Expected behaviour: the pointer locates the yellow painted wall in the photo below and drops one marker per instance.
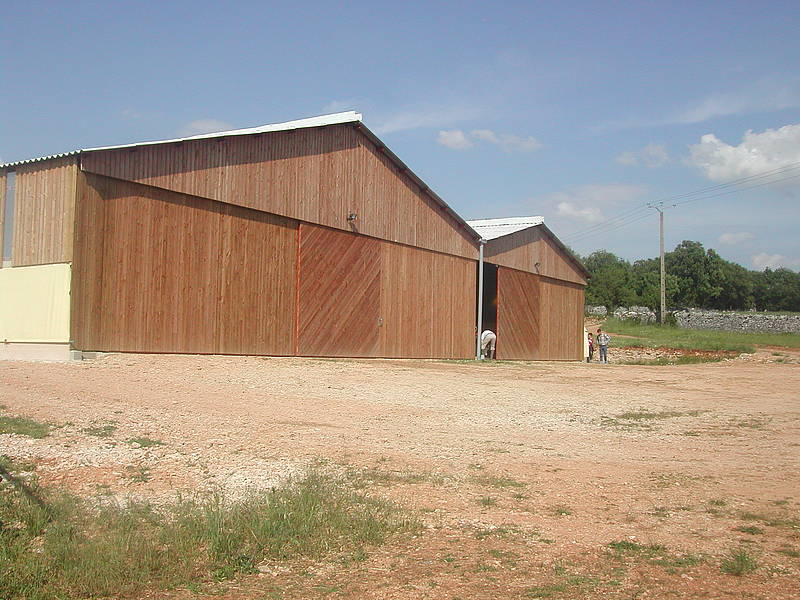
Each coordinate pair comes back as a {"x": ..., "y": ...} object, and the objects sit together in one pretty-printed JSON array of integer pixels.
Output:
[{"x": 34, "y": 304}]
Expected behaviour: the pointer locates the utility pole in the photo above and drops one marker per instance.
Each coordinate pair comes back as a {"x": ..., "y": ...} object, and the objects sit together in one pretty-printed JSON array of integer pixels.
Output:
[{"x": 660, "y": 210}]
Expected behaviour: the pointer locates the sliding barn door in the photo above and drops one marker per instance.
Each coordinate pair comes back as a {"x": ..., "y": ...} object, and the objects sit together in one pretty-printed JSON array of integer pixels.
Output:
[
  {"x": 339, "y": 281},
  {"x": 518, "y": 315}
]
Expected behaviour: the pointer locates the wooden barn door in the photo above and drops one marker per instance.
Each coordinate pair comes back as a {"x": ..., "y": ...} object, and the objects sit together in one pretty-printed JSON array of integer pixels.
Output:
[
  {"x": 518, "y": 315},
  {"x": 339, "y": 279}
]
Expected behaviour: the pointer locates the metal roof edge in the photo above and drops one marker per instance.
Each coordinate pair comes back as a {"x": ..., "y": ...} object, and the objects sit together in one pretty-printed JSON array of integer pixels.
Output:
[{"x": 350, "y": 116}]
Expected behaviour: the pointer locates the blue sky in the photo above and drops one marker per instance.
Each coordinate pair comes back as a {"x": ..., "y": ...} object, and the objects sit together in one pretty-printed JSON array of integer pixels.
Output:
[{"x": 577, "y": 111}]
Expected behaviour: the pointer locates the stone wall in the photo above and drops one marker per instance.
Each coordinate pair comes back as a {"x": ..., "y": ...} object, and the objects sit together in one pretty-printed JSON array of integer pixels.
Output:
[
  {"x": 737, "y": 321},
  {"x": 695, "y": 318}
]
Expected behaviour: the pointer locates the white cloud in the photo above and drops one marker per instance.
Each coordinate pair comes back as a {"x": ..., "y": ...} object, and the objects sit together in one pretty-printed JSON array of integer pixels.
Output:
[
  {"x": 507, "y": 141},
  {"x": 767, "y": 95},
  {"x": 758, "y": 153},
  {"x": 427, "y": 117},
  {"x": 455, "y": 139},
  {"x": 651, "y": 156},
  {"x": 588, "y": 203},
  {"x": 336, "y": 106},
  {"x": 201, "y": 126},
  {"x": 764, "y": 260},
  {"x": 458, "y": 140},
  {"x": 590, "y": 214},
  {"x": 731, "y": 239}
]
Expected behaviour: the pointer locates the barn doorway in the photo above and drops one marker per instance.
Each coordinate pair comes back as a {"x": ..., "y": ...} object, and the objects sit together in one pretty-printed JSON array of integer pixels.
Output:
[{"x": 489, "y": 297}]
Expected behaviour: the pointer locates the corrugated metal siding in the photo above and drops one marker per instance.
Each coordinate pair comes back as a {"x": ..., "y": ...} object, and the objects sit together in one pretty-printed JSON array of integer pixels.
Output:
[
  {"x": 44, "y": 204},
  {"x": 315, "y": 175}
]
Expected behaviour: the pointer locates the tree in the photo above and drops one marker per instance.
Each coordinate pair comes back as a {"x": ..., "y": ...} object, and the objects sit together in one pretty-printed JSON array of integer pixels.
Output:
[{"x": 610, "y": 282}]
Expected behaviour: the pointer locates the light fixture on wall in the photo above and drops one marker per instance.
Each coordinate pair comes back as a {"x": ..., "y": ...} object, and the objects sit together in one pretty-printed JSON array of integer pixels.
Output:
[
  {"x": 536, "y": 265},
  {"x": 351, "y": 218}
]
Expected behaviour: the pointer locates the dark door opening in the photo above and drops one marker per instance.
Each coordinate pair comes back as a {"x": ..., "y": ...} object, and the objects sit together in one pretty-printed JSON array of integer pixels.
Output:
[{"x": 489, "y": 297}]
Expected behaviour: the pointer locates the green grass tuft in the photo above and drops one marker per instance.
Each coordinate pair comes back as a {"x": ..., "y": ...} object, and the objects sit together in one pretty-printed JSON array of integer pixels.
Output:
[
  {"x": 739, "y": 562},
  {"x": 23, "y": 426},
  {"x": 145, "y": 442},
  {"x": 69, "y": 548}
]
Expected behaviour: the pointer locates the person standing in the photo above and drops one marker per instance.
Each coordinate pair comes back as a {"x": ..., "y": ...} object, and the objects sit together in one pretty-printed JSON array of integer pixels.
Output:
[
  {"x": 602, "y": 340},
  {"x": 591, "y": 347}
]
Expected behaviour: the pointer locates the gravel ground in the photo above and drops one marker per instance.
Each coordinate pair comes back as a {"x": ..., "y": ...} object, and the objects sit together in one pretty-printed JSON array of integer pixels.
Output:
[{"x": 670, "y": 455}]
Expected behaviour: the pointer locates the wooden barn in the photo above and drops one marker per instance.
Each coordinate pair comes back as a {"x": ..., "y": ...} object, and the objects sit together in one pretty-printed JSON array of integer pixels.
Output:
[
  {"x": 306, "y": 238},
  {"x": 533, "y": 292}
]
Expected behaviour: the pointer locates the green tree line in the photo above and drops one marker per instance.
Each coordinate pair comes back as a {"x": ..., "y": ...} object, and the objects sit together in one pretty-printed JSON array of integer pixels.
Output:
[{"x": 695, "y": 277}]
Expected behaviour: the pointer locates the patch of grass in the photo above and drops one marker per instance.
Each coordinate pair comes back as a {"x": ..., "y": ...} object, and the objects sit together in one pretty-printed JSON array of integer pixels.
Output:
[
  {"x": 101, "y": 431},
  {"x": 751, "y": 529},
  {"x": 562, "y": 511},
  {"x": 23, "y": 426},
  {"x": 487, "y": 501},
  {"x": 718, "y": 502},
  {"x": 751, "y": 422},
  {"x": 656, "y": 554},
  {"x": 771, "y": 520},
  {"x": 145, "y": 442},
  {"x": 497, "y": 481},
  {"x": 683, "y": 359},
  {"x": 739, "y": 562},
  {"x": 657, "y": 336},
  {"x": 788, "y": 551},
  {"x": 643, "y": 418},
  {"x": 369, "y": 476},
  {"x": 668, "y": 479},
  {"x": 114, "y": 550}
]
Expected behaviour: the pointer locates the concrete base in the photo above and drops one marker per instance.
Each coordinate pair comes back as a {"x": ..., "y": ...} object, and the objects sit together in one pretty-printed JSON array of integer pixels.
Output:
[{"x": 34, "y": 351}]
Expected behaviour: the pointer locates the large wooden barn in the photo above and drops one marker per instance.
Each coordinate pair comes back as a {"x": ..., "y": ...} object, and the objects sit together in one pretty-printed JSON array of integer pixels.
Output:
[{"x": 306, "y": 238}]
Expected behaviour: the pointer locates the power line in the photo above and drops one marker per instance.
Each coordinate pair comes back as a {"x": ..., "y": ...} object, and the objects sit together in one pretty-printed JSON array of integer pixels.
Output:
[{"x": 631, "y": 215}]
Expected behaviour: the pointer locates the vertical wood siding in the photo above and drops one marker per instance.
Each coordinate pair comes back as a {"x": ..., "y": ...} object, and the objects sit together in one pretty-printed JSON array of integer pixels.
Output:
[
  {"x": 518, "y": 315},
  {"x": 339, "y": 293},
  {"x": 157, "y": 271},
  {"x": 44, "y": 204},
  {"x": 523, "y": 249},
  {"x": 427, "y": 304},
  {"x": 360, "y": 296},
  {"x": 317, "y": 175},
  {"x": 561, "y": 320},
  {"x": 538, "y": 318}
]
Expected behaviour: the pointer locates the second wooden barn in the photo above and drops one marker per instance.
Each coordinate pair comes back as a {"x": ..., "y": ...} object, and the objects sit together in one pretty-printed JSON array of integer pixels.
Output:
[
  {"x": 533, "y": 293},
  {"x": 304, "y": 238}
]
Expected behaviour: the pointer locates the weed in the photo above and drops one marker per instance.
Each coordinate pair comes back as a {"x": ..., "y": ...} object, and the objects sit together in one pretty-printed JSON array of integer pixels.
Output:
[
  {"x": 656, "y": 554},
  {"x": 23, "y": 426},
  {"x": 498, "y": 481},
  {"x": 125, "y": 550},
  {"x": 751, "y": 422},
  {"x": 739, "y": 562},
  {"x": 771, "y": 520},
  {"x": 788, "y": 551},
  {"x": 366, "y": 477},
  {"x": 138, "y": 473},
  {"x": 718, "y": 502},
  {"x": 562, "y": 511},
  {"x": 751, "y": 529},
  {"x": 487, "y": 501},
  {"x": 101, "y": 431},
  {"x": 145, "y": 442}
]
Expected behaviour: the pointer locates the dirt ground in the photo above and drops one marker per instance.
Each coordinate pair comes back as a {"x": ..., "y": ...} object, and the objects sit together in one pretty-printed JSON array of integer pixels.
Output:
[{"x": 523, "y": 473}]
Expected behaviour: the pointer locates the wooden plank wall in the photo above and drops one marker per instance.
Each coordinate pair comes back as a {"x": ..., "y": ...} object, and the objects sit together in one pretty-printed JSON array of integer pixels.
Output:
[
  {"x": 523, "y": 249},
  {"x": 538, "y": 318},
  {"x": 318, "y": 175},
  {"x": 44, "y": 204},
  {"x": 156, "y": 271},
  {"x": 360, "y": 296},
  {"x": 3, "y": 184},
  {"x": 427, "y": 304},
  {"x": 518, "y": 315},
  {"x": 339, "y": 293},
  {"x": 561, "y": 333}
]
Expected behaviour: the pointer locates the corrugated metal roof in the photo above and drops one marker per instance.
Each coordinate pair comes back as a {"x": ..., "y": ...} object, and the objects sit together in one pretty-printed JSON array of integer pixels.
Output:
[
  {"x": 490, "y": 229},
  {"x": 333, "y": 119},
  {"x": 41, "y": 158}
]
